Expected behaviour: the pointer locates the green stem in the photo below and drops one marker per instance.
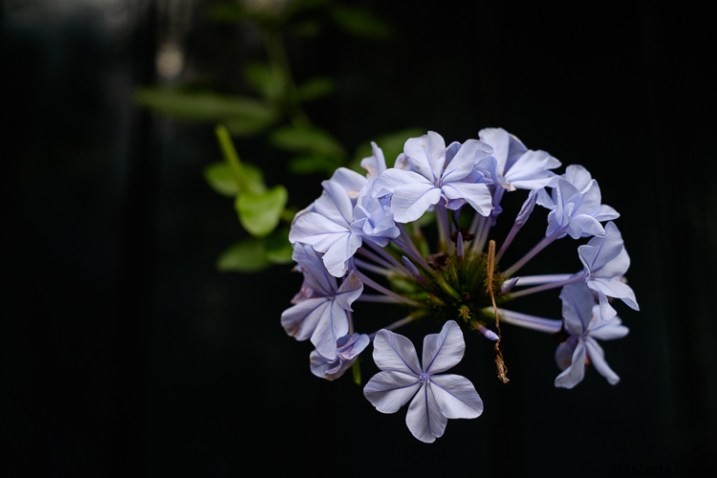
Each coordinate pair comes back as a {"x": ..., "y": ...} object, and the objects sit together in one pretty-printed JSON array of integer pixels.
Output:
[{"x": 231, "y": 156}]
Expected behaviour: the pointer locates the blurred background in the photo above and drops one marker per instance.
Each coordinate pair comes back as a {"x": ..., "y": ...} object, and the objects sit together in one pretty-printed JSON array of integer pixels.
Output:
[{"x": 137, "y": 342}]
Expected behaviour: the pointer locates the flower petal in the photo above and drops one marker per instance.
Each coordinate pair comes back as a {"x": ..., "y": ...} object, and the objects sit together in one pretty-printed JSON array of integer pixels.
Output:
[
  {"x": 350, "y": 181},
  {"x": 341, "y": 250},
  {"x": 608, "y": 329},
  {"x": 616, "y": 289},
  {"x": 574, "y": 374},
  {"x": 532, "y": 170},
  {"x": 374, "y": 164},
  {"x": 463, "y": 163},
  {"x": 564, "y": 352},
  {"x": 333, "y": 325},
  {"x": 411, "y": 201},
  {"x": 602, "y": 250},
  {"x": 476, "y": 194},
  {"x": 456, "y": 396},
  {"x": 389, "y": 391},
  {"x": 350, "y": 290},
  {"x": 300, "y": 320},
  {"x": 315, "y": 274},
  {"x": 584, "y": 225},
  {"x": 317, "y": 231},
  {"x": 426, "y": 155},
  {"x": 597, "y": 359},
  {"x": 578, "y": 305},
  {"x": 335, "y": 202},
  {"x": 394, "y": 352},
  {"x": 424, "y": 419},
  {"x": 443, "y": 350}
]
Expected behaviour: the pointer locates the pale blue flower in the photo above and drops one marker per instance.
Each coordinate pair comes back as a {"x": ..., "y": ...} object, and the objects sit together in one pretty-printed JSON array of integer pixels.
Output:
[
  {"x": 575, "y": 205},
  {"x": 606, "y": 262},
  {"x": 348, "y": 348},
  {"x": 434, "y": 398},
  {"x": 585, "y": 323},
  {"x": 341, "y": 218},
  {"x": 429, "y": 172},
  {"x": 323, "y": 309},
  {"x": 517, "y": 167}
]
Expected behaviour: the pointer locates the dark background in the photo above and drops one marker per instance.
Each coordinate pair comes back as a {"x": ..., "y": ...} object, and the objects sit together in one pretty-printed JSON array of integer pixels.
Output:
[{"x": 125, "y": 352}]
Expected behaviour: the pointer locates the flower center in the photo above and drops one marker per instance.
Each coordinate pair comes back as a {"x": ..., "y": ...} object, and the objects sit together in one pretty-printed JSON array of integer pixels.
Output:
[{"x": 456, "y": 288}]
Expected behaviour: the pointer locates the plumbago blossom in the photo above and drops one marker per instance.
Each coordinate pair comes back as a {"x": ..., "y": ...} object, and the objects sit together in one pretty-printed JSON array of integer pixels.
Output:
[{"x": 368, "y": 238}]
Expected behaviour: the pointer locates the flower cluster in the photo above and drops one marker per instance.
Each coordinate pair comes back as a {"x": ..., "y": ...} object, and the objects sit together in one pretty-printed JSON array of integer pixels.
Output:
[{"x": 367, "y": 238}]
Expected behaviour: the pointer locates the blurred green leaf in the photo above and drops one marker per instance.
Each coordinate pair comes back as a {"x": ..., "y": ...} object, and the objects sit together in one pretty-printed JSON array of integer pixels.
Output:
[
  {"x": 220, "y": 178},
  {"x": 241, "y": 115},
  {"x": 267, "y": 80},
  {"x": 391, "y": 144},
  {"x": 254, "y": 178},
  {"x": 261, "y": 213},
  {"x": 255, "y": 254},
  {"x": 360, "y": 22},
  {"x": 278, "y": 248},
  {"x": 245, "y": 256},
  {"x": 313, "y": 165},
  {"x": 315, "y": 88},
  {"x": 306, "y": 139}
]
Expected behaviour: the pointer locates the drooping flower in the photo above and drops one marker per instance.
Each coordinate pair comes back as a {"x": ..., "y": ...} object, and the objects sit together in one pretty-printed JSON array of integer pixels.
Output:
[
  {"x": 434, "y": 398},
  {"x": 434, "y": 173},
  {"x": 348, "y": 349},
  {"x": 585, "y": 323},
  {"x": 606, "y": 262},
  {"x": 575, "y": 205},
  {"x": 322, "y": 312}
]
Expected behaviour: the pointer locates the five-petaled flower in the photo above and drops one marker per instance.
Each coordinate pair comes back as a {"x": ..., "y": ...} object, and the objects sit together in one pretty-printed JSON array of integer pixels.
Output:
[{"x": 434, "y": 398}]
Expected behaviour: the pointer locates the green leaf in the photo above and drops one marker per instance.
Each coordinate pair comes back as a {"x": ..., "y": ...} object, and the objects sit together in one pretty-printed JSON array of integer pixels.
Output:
[
  {"x": 313, "y": 165},
  {"x": 242, "y": 115},
  {"x": 267, "y": 80},
  {"x": 245, "y": 256},
  {"x": 361, "y": 23},
  {"x": 254, "y": 179},
  {"x": 315, "y": 88},
  {"x": 278, "y": 248},
  {"x": 220, "y": 178},
  {"x": 391, "y": 144},
  {"x": 261, "y": 213},
  {"x": 305, "y": 139}
]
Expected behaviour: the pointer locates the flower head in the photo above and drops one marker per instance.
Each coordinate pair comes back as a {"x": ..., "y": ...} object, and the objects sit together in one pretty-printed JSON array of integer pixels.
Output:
[{"x": 369, "y": 239}]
